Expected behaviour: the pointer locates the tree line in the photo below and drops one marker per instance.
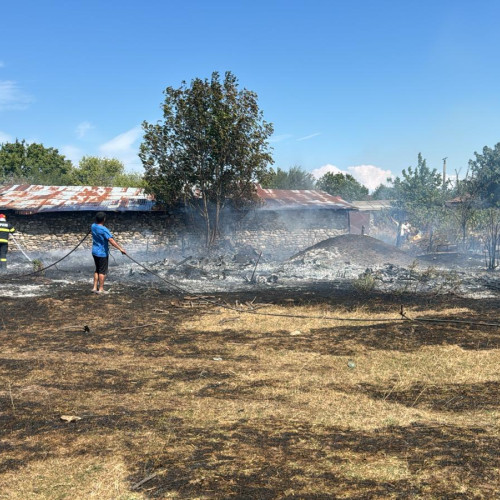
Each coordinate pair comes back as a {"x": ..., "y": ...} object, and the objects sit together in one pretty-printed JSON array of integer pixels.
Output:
[
  {"x": 464, "y": 210},
  {"x": 32, "y": 163}
]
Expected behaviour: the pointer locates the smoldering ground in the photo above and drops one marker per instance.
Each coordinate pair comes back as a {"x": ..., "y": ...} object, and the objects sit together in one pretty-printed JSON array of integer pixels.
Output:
[{"x": 341, "y": 262}]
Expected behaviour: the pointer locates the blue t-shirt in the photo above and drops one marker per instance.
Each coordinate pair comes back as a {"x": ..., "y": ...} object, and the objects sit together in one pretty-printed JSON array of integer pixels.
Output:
[{"x": 100, "y": 237}]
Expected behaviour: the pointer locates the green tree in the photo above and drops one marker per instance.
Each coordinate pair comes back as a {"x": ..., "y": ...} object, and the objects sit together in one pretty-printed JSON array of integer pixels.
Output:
[
  {"x": 295, "y": 178},
  {"x": 464, "y": 206},
  {"x": 489, "y": 224},
  {"x": 384, "y": 192},
  {"x": 420, "y": 198},
  {"x": 33, "y": 163},
  {"x": 209, "y": 149},
  {"x": 343, "y": 185},
  {"x": 94, "y": 171},
  {"x": 485, "y": 170}
]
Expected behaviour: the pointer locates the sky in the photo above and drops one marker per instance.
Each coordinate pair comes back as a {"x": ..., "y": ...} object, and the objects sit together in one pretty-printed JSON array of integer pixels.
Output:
[{"x": 354, "y": 86}]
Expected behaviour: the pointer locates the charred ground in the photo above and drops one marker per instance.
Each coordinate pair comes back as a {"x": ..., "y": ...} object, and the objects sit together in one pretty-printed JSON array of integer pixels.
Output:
[{"x": 180, "y": 399}]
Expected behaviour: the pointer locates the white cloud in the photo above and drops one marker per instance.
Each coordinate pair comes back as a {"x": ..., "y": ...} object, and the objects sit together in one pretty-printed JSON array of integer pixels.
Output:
[
  {"x": 368, "y": 175},
  {"x": 124, "y": 147},
  {"x": 5, "y": 137},
  {"x": 310, "y": 136},
  {"x": 280, "y": 137},
  {"x": 12, "y": 97},
  {"x": 325, "y": 169},
  {"x": 72, "y": 153},
  {"x": 82, "y": 129}
]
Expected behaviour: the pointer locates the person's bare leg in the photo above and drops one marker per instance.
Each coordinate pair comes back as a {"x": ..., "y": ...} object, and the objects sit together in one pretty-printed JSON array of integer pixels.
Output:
[
  {"x": 96, "y": 277},
  {"x": 102, "y": 277}
]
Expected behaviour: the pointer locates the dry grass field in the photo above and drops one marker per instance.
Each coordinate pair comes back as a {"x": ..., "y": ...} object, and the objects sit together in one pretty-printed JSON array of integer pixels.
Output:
[{"x": 178, "y": 399}]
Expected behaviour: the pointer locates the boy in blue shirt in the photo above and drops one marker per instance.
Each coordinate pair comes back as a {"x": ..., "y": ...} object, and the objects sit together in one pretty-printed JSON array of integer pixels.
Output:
[{"x": 101, "y": 236}]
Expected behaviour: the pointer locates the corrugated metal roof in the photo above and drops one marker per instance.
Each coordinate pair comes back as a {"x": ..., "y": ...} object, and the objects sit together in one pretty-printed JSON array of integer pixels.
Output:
[
  {"x": 279, "y": 199},
  {"x": 373, "y": 205},
  {"x": 28, "y": 198}
]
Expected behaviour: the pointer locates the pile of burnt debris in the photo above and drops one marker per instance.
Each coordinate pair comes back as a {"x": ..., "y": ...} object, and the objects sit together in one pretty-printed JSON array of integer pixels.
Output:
[
  {"x": 348, "y": 261},
  {"x": 344, "y": 261}
]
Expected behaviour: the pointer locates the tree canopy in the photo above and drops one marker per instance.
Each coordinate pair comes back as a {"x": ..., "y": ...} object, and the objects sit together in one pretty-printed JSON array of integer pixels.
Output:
[
  {"x": 419, "y": 186},
  {"x": 384, "y": 192},
  {"x": 33, "y": 163},
  {"x": 94, "y": 171},
  {"x": 210, "y": 147},
  {"x": 420, "y": 197},
  {"x": 295, "y": 178},
  {"x": 485, "y": 171},
  {"x": 343, "y": 185}
]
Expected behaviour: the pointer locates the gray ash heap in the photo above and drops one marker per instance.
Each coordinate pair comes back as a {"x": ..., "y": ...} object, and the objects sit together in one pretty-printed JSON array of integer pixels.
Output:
[
  {"x": 338, "y": 262},
  {"x": 356, "y": 250}
]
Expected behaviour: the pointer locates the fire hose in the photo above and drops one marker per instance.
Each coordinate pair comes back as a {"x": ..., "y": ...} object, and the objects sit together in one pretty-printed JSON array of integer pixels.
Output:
[
  {"x": 17, "y": 276},
  {"x": 178, "y": 289},
  {"x": 403, "y": 315}
]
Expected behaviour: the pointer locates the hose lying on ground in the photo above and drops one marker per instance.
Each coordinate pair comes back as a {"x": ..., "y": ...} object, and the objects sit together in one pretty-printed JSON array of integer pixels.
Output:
[
  {"x": 179, "y": 289},
  {"x": 17, "y": 276}
]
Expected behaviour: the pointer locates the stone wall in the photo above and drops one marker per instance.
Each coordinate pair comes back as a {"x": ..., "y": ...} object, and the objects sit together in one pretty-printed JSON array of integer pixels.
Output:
[
  {"x": 288, "y": 231},
  {"x": 283, "y": 232},
  {"x": 55, "y": 231}
]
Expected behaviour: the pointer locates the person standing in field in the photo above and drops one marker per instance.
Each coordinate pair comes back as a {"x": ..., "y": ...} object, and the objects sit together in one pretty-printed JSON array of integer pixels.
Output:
[
  {"x": 5, "y": 230},
  {"x": 101, "y": 237}
]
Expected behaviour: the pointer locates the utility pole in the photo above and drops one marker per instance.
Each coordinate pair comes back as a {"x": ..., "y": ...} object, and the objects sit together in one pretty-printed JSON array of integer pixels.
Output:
[{"x": 444, "y": 172}]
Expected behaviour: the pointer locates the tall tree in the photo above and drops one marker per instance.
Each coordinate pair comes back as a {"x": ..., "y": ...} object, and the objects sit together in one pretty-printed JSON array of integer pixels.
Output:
[
  {"x": 485, "y": 170},
  {"x": 485, "y": 185},
  {"x": 95, "y": 171},
  {"x": 465, "y": 205},
  {"x": 343, "y": 185},
  {"x": 295, "y": 178},
  {"x": 33, "y": 163},
  {"x": 210, "y": 148},
  {"x": 420, "y": 197}
]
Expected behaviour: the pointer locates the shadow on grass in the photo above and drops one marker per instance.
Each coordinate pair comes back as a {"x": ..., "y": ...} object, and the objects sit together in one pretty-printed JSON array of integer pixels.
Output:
[
  {"x": 445, "y": 397},
  {"x": 268, "y": 458}
]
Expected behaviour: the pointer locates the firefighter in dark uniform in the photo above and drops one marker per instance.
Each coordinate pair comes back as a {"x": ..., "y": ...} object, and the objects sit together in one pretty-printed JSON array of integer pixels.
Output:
[{"x": 5, "y": 230}]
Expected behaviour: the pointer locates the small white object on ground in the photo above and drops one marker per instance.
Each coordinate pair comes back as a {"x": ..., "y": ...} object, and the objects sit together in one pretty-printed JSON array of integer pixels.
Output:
[{"x": 70, "y": 418}]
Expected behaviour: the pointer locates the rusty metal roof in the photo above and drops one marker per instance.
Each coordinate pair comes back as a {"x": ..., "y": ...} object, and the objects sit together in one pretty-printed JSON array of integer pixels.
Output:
[
  {"x": 373, "y": 205},
  {"x": 32, "y": 199},
  {"x": 280, "y": 199}
]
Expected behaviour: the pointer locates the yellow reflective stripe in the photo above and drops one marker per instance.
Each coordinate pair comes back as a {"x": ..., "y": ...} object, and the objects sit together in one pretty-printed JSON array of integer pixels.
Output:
[
  {"x": 3, "y": 260},
  {"x": 3, "y": 241},
  {"x": 5, "y": 230}
]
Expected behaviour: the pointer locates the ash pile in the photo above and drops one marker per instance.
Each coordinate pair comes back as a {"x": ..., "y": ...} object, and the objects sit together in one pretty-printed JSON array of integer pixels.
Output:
[
  {"x": 219, "y": 270},
  {"x": 350, "y": 262},
  {"x": 344, "y": 261}
]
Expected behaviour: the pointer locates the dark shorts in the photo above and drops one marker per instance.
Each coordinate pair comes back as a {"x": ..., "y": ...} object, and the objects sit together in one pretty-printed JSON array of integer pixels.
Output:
[{"x": 101, "y": 264}]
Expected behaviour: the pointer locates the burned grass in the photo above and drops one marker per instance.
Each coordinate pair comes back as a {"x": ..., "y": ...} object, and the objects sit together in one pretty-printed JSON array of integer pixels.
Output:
[{"x": 183, "y": 400}]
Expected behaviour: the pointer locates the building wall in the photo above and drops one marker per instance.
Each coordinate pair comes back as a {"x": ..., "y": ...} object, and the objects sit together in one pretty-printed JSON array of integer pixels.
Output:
[
  {"x": 288, "y": 231},
  {"x": 282, "y": 232}
]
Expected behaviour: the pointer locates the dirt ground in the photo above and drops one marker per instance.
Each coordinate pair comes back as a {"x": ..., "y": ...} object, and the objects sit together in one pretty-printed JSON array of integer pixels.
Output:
[{"x": 182, "y": 399}]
